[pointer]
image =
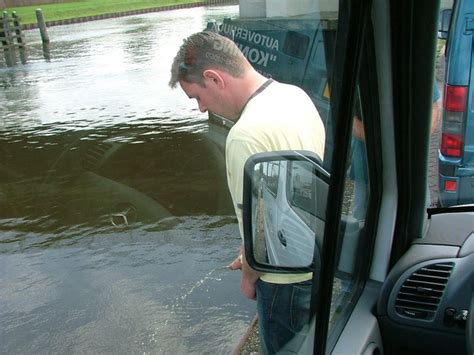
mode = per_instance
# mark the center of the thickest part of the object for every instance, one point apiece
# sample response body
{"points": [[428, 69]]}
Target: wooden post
{"points": [[19, 37], [212, 26], [42, 26], [44, 33], [46, 51], [7, 41]]}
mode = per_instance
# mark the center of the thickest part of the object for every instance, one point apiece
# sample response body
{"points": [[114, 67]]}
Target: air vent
{"points": [[421, 293]]}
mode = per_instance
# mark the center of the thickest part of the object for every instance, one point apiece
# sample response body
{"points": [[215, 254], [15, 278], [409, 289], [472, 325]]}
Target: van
{"points": [[283, 202], [456, 150]]}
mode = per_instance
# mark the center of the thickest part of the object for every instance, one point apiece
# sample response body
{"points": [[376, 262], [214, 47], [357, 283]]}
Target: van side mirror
{"points": [[444, 21], [284, 211]]}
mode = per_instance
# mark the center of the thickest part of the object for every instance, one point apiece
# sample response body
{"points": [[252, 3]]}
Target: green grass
{"points": [[53, 12]]}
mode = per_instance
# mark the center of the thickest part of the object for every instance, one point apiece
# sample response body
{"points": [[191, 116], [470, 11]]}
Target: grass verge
{"points": [[75, 9]]}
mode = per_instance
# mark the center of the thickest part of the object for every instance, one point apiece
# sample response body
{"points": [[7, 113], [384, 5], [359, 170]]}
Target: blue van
{"points": [[296, 50], [456, 151]]}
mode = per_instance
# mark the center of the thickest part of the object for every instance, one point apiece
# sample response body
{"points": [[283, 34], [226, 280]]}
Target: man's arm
{"points": [[358, 129], [434, 117], [237, 152]]}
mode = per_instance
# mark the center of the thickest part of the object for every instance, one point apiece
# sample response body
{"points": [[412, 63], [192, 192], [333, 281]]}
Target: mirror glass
{"points": [[288, 203]]}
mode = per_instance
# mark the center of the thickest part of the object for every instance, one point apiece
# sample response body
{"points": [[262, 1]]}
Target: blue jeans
{"points": [[283, 313], [359, 172]]}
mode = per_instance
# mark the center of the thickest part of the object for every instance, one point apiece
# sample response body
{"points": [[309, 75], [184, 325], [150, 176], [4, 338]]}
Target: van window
{"points": [[296, 44], [273, 174], [301, 188]]}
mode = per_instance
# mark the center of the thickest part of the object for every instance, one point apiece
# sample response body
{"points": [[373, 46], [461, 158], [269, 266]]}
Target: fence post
{"points": [[212, 26], [7, 43], [19, 36], [42, 26], [44, 33]]}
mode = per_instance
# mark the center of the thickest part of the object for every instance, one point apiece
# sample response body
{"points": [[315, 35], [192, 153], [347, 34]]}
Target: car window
{"points": [[115, 205], [317, 53], [352, 235], [273, 177], [301, 188], [293, 45], [116, 224]]}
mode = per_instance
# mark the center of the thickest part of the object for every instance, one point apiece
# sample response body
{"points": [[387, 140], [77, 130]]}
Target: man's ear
{"points": [[215, 77]]}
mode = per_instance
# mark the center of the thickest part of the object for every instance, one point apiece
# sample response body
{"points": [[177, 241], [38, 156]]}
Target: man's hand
{"points": [[236, 264], [248, 276], [248, 287]]}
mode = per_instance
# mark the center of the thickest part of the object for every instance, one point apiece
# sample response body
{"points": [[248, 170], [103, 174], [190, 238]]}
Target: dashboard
{"points": [[427, 299]]}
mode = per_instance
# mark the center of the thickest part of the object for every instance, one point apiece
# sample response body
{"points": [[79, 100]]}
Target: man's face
{"points": [[208, 97]]}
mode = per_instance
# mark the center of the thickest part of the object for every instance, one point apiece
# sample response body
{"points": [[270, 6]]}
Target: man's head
{"points": [[207, 67], [206, 50]]}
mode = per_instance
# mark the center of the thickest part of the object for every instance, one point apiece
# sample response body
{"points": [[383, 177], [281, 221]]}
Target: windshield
{"points": [[120, 209], [117, 223]]}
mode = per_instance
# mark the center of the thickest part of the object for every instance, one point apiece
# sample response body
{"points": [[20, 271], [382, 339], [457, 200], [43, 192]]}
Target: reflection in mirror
{"points": [[288, 201]]}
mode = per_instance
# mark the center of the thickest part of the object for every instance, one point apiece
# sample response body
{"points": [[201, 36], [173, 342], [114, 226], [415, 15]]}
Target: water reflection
{"points": [[154, 168], [115, 219], [112, 65]]}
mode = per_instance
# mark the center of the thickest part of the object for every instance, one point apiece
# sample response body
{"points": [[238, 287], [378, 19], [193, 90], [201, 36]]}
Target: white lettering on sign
{"points": [[252, 36], [225, 46], [256, 56]]}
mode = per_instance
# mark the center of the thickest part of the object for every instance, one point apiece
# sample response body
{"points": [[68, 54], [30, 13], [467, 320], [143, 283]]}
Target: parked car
{"points": [[456, 152]]}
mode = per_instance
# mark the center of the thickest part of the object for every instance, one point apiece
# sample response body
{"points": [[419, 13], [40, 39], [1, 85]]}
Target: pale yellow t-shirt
{"points": [[280, 117]]}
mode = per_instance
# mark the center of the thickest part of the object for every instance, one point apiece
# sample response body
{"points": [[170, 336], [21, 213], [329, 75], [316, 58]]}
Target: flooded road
{"points": [[116, 223]]}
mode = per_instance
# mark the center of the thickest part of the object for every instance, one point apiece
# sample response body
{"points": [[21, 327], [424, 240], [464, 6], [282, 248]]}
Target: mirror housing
{"points": [[284, 211], [444, 22]]}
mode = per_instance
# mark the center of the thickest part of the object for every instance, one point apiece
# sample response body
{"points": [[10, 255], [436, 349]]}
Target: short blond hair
{"points": [[206, 50]]}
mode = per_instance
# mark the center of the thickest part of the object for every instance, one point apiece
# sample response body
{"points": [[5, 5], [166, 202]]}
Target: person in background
{"points": [[359, 170], [269, 116]]}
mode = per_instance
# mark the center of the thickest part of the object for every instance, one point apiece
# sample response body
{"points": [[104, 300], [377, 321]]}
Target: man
{"points": [[359, 171], [269, 116]]}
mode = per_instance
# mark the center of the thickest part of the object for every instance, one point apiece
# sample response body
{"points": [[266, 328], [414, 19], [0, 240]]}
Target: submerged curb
{"points": [[31, 26], [249, 343]]}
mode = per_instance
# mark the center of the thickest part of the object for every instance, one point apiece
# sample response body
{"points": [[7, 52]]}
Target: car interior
{"points": [[399, 280], [410, 287]]}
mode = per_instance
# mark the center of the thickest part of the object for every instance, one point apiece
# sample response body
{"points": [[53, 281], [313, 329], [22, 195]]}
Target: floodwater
{"points": [[116, 224]]}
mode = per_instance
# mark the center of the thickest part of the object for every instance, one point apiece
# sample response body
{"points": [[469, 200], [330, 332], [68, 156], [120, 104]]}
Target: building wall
{"points": [[287, 8], [252, 8]]}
